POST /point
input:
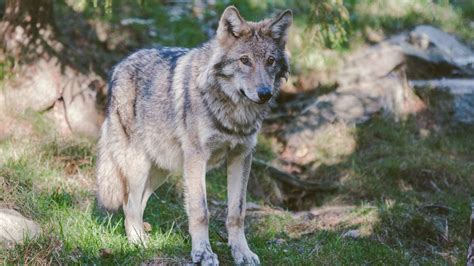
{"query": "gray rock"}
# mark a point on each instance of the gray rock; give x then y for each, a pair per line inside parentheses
(372, 81)
(437, 47)
(14, 227)
(461, 97)
(351, 234)
(453, 50)
(370, 63)
(64, 94)
(376, 80)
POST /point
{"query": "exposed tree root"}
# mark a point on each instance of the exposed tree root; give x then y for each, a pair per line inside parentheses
(294, 181)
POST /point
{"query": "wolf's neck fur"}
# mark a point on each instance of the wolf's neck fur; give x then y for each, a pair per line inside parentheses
(239, 118)
(231, 112)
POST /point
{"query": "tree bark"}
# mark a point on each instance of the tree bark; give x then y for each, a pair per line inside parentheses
(29, 11)
(26, 26)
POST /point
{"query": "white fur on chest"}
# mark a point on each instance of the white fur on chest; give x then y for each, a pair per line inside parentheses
(218, 151)
(220, 145)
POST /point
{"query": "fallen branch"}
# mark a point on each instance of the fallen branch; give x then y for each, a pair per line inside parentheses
(294, 181)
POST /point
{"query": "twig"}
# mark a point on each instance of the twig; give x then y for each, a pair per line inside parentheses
(61, 99)
(294, 181)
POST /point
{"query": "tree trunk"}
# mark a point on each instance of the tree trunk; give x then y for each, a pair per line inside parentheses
(45, 76)
(29, 11)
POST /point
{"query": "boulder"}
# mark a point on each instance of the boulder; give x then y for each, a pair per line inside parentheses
(458, 103)
(14, 227)
(436, 47)
(372, 81)
(382, 79)
(66, 96)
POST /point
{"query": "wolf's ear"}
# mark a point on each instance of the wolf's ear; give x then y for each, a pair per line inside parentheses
(231, 25)
(278, 27)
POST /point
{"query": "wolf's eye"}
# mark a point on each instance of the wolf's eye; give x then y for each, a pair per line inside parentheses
(245, 60)
(270, 60)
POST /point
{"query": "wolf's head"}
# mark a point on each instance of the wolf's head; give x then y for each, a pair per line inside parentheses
(253, 59)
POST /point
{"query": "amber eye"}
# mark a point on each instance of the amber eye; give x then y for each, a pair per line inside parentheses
(270, 60)
(245, 60)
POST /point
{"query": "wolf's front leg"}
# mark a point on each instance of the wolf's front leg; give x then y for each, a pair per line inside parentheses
(238, 170)
(196, 208)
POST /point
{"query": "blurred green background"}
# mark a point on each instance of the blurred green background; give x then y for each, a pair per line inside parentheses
(318, 25)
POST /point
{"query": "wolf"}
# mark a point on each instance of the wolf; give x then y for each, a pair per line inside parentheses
(185, 111)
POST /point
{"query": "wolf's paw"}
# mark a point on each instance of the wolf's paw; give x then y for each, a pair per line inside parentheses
(244, 256)
(204, 255)
(138, 238)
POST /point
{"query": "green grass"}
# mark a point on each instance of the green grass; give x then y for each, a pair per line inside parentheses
(421, 185)
(389, 189)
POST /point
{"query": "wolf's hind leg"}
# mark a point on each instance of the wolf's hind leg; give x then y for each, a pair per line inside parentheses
(238, 170)
(156, 178)
(136, 171)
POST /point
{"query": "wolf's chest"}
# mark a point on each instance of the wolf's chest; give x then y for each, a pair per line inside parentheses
(219, 148)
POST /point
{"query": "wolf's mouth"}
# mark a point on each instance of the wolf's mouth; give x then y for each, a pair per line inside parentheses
(257, 102)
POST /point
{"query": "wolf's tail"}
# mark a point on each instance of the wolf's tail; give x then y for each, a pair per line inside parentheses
(111, 183)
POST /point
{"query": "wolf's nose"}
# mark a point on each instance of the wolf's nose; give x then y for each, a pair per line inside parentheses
(264, 93)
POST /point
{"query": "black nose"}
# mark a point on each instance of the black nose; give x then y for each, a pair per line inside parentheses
(264, 93)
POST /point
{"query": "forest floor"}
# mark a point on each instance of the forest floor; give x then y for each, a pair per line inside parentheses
(404, 199)
(404, 194)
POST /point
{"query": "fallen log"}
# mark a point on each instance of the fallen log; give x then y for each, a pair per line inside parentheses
(294, 181)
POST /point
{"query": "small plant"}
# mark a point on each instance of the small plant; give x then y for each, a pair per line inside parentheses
(328, 23)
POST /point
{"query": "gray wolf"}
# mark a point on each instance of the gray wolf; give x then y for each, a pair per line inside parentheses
(185, 111)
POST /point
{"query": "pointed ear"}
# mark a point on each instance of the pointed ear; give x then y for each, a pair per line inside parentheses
(278, 27)
(231, 25)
